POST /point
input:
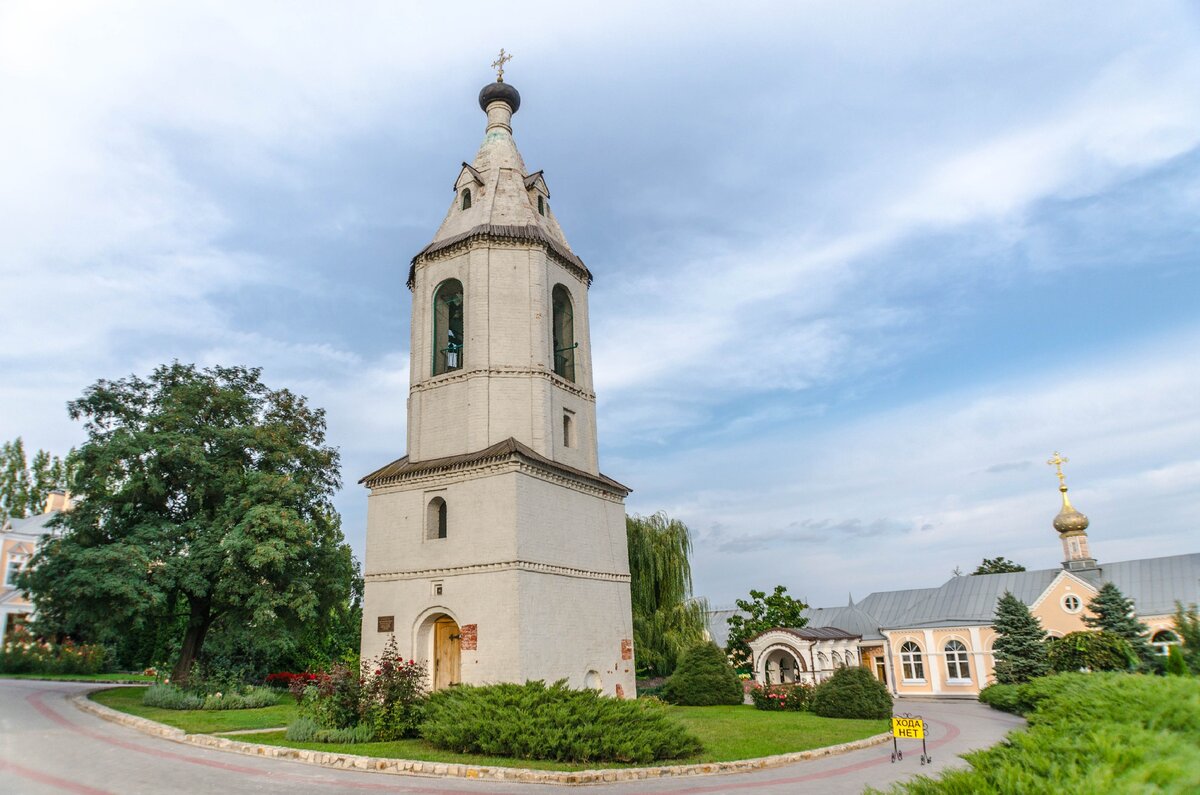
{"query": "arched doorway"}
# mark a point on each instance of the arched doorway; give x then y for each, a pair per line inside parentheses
(782, 666)
(447, 665)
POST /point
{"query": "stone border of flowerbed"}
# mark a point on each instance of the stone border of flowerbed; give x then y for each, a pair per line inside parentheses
(447, 770)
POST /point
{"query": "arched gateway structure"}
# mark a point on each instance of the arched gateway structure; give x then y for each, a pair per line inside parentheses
(496, 550)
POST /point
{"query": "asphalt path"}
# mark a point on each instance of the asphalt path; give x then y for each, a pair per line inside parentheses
(48, 746)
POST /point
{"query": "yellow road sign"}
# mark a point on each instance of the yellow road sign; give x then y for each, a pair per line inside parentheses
(908, 728)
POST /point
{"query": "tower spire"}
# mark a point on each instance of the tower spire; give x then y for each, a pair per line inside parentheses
(1071, 524)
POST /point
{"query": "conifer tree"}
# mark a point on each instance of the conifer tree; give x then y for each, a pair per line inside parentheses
(1175, 663)
(1187, 629)
(1114, 613)
(1020, 647)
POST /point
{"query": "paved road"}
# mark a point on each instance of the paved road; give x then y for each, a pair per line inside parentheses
(49, 746)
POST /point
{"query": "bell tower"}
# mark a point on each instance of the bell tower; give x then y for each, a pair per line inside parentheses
(496, 550)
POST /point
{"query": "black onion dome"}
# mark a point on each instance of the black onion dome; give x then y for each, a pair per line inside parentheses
(499, 91)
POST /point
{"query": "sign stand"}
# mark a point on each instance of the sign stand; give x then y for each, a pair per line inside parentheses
(909, 727)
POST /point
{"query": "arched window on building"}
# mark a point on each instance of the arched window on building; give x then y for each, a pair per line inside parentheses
(911, 662)
(1163, 640)
(564, 333)
(958, 666)
(447, 327)
(837, 660)
(466, 198)
(435, 519)
(822, 661)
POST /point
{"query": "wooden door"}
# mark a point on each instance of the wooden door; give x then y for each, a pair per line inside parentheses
(446, 660)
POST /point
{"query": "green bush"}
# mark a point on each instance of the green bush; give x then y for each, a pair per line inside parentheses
(25, 654)
(1092, 651)
(1100, 732)
(852, 693)
(539, 721)
(1006, 698)
(780, 698)
(1176, 666)
(306, 730)
(704, 678)
(167, 696)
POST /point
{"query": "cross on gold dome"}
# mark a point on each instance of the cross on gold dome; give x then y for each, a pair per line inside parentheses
(1057, 463)
(498, 65)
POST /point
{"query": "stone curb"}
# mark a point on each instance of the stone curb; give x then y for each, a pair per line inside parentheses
(482, 772)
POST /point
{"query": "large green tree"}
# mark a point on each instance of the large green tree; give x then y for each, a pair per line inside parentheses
(1114, 613)
(203, 499)
(1000, 565)
(24, 484)
(1020, 646)
(761, 612)
(667, 619)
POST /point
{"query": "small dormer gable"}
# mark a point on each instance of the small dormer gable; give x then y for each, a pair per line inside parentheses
(537, 182)
(468, 177)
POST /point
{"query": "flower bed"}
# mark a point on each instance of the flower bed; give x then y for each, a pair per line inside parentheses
(25, 654)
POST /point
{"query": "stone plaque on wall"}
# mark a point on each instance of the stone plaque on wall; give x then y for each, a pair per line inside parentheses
(626, 649)
(387, 624)
(469, 637)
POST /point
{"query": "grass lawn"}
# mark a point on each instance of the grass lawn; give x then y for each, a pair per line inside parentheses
(83, 677)
(200, 721)
(728, 733)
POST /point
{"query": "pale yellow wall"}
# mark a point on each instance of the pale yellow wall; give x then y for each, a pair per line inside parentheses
(898, 639)
(8, 547)
(1054, 617)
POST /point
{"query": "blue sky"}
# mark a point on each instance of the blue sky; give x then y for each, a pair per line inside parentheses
(859, 270)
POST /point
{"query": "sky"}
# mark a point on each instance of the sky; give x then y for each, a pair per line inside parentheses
(860, 269)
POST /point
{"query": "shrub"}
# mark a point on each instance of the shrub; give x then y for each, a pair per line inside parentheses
(703, 678)
(792, 698)
(333, 700)
(1101, 732)
(305, 730)
(1176, 666)
(1006, 698)
(1092, 651)
(539, 721)
(25, 654)
(284, 680)
(852, 693)
(167, 696)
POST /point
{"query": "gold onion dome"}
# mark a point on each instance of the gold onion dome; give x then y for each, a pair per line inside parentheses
(1068, 520)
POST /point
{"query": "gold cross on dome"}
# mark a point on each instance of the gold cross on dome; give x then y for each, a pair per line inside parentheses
(1057, 463)
(498, 65)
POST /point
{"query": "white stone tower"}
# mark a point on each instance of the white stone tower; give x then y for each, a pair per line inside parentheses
(496, 550)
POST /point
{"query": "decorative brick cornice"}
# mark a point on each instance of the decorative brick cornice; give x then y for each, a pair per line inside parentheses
(493, 235)
(503, 372)
(507, 565)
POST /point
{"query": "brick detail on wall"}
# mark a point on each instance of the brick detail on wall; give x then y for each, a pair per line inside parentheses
(620, 691)
(469, 637)
(626, 649)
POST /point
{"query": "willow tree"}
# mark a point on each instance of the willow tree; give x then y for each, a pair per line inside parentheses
(203, 501)
(667, 619)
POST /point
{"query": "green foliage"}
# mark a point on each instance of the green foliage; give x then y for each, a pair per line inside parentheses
(1110, 732)
(1006, 698)
(782, 698)
(1176, 665)
(704, 678)
(1091, 651)
(1187, 629)
(25, 485)
(539, 721)
(306, 730)
(204, 503)
(851, 692)
(25, 654)
(1000, 565)
(667, 619)
(762, 613)
(1114, 613)
(1020, 647)
(167, 696)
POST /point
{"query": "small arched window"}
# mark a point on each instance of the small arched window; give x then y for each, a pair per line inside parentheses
(563, 326)
(541, 205)
(447, 327)
(466, 198)
(911, 662)
(837, 660)
(435, 519)
(1163, 640)
(958, 666)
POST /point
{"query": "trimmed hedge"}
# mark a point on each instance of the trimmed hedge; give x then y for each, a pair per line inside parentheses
(1093, 651)
(851, 693)
(540, 721)
(704, 678)
(1101, 732)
